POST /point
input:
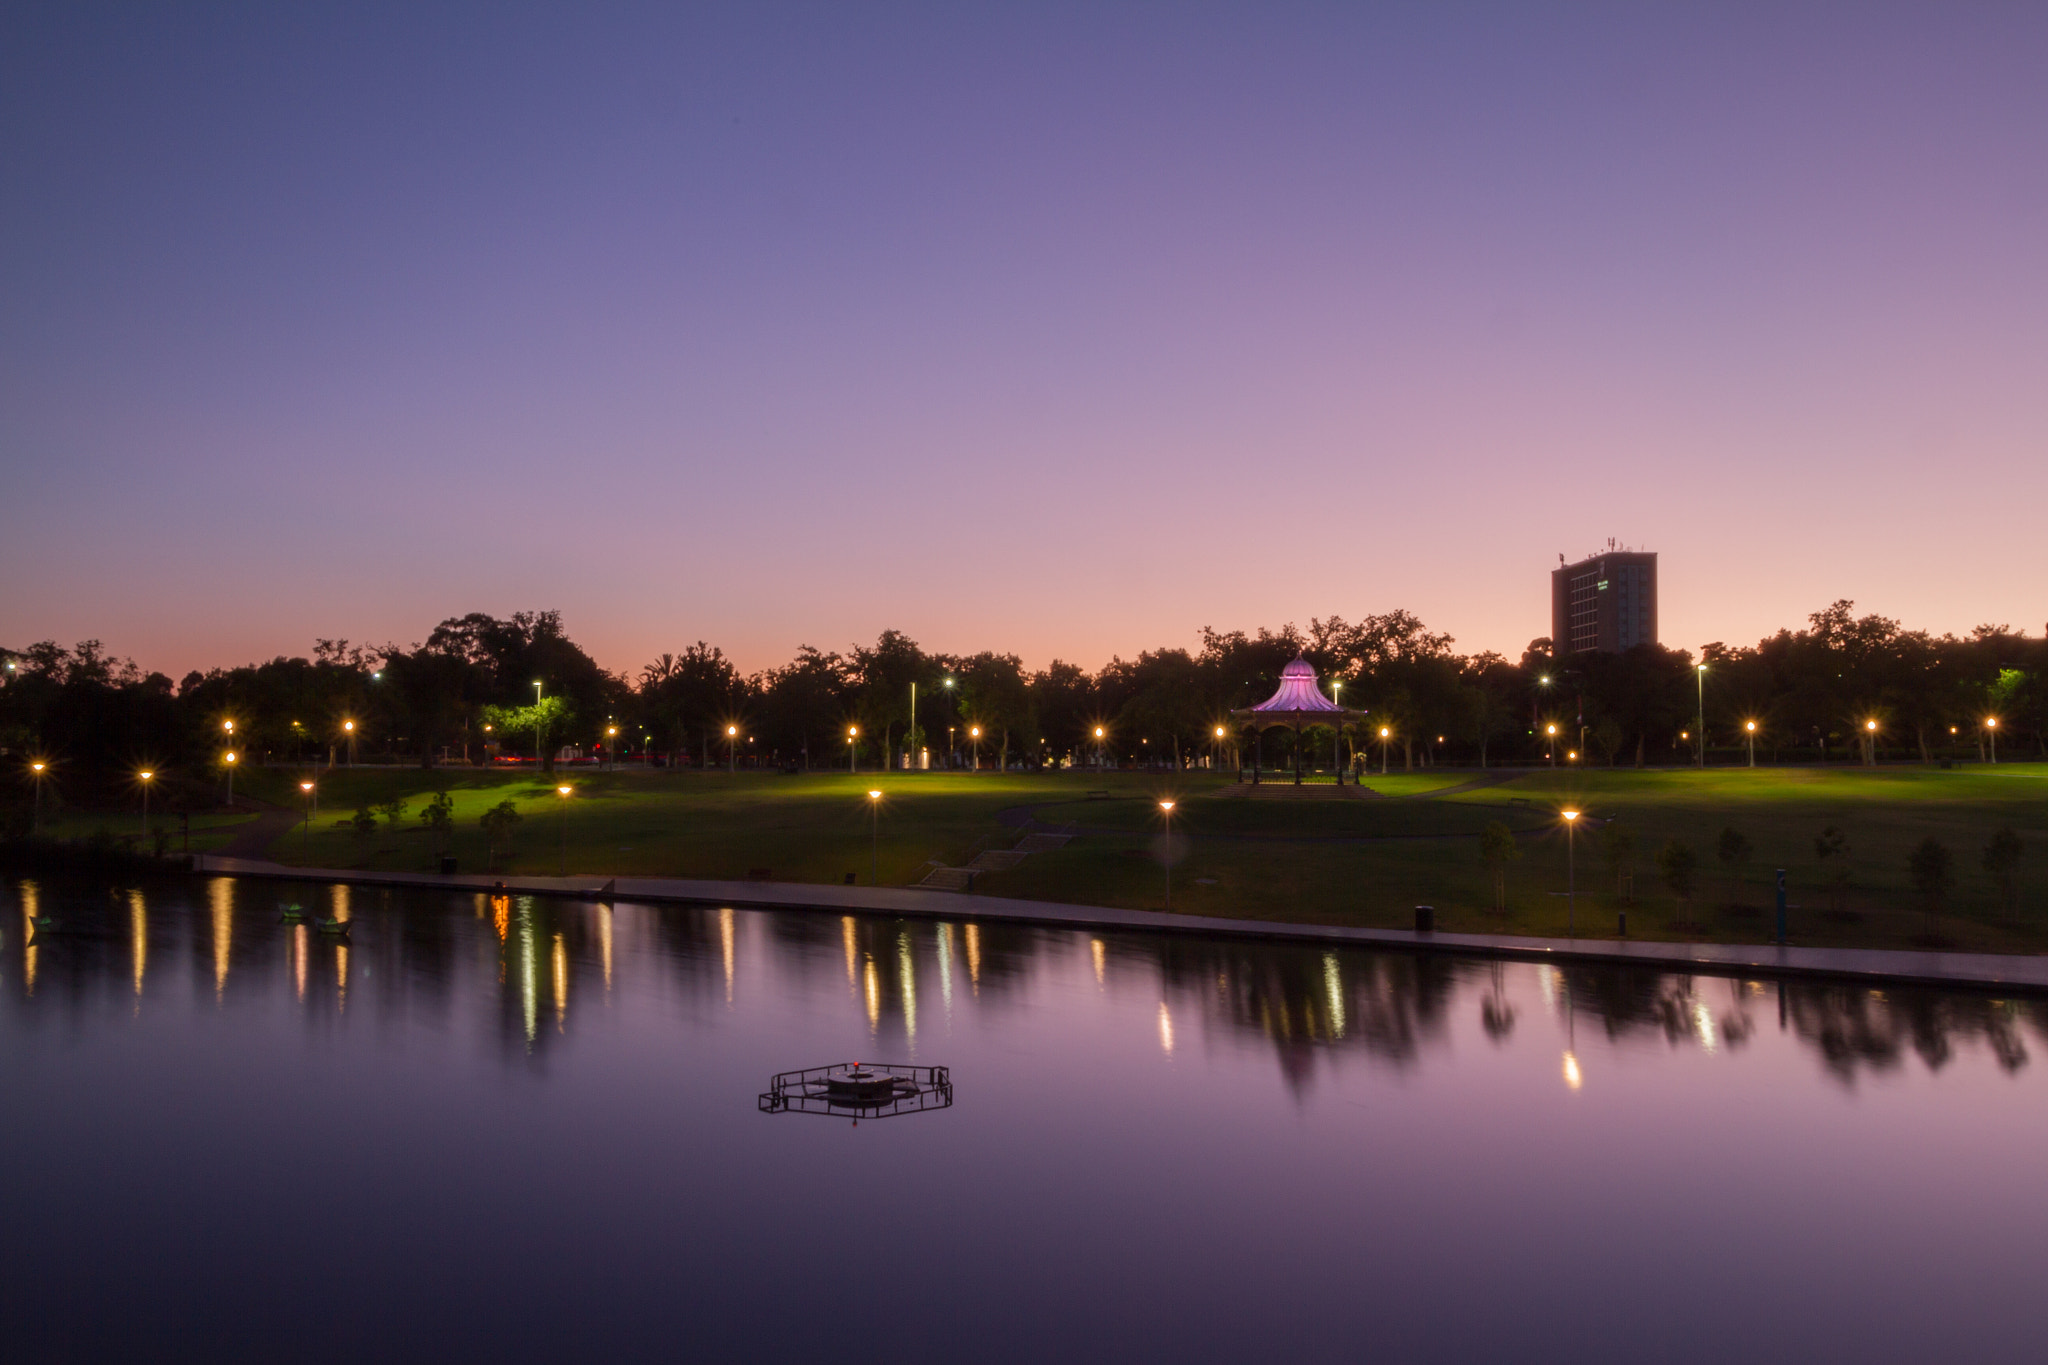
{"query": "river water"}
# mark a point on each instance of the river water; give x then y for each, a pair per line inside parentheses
(528, 1130)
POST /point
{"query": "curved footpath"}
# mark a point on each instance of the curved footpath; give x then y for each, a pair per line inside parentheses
(1971, 971)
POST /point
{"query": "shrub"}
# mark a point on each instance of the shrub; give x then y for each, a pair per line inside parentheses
(1497, 848)
(1931, 868)
(2002, 860)
(1678, 866)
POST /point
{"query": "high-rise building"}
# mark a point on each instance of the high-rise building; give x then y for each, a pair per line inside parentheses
(1606, 601)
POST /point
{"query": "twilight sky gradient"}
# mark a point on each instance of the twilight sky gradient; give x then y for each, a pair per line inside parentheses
(1064, 329)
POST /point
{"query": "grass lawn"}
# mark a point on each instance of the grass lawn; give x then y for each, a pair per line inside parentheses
(209, 830)
(1361, 861)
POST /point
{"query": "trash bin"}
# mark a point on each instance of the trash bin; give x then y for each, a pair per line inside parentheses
(447, 864)
(1425, 919)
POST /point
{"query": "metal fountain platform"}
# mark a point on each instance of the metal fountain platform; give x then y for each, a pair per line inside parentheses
(860, 1090)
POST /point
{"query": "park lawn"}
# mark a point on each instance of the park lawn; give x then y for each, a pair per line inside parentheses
(209, 830)
(1350, 861)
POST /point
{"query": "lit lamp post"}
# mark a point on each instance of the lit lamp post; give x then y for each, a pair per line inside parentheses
(732, 749)
(852, 749)
(1870, 744)
(874, 838)
(1749, 726)
(144, 777)
(563, 791)
(1099, 755)
(1385, 735)
(611, 745)
(231, 776)
(1571, 872)
(1550, 731)
(306, 830)
(974, 733)
(1700, 672)
(36, 821)
(1166, 815)
(1991, 726)
(539, 729)
(1216, 750)
(348, 728)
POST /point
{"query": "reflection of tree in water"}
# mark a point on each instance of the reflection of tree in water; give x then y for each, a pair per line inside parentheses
(1857, 1029)
(1301, 999)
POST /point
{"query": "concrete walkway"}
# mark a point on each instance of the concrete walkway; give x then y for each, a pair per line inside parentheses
(1974, 971)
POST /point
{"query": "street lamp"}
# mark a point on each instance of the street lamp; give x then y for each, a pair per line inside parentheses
(348, 728)
(1991, 724)
(1385, 735)
(231, 776)
(874, 838)
(1166, 814)
(611, 744)
(732, 749)
(974, 733)
(1700, 672)
(563, 791)
(36, 822)
(1870, 743)
(306, 830)
(1750, 727)
(1571, 872)
(852, 750)
(1551, 746)
(1216, 751)
(145, 776)
(1098, 749)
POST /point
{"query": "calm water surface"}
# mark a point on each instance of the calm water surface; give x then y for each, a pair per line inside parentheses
(526, 1130)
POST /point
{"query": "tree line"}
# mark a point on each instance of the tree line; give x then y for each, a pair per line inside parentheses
(1844, 688)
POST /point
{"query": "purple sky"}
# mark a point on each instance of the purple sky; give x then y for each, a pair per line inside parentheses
(1059, 329)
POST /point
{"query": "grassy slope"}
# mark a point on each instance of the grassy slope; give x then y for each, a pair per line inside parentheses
(1364, 862)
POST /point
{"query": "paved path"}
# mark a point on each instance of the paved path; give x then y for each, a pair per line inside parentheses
(254, 839)
(1976, 971)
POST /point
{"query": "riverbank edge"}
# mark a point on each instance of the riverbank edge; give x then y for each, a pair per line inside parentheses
(1949, 971)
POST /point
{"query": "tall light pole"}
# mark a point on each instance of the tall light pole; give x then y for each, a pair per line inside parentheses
(1750, 727)
(1991, 725)
(306, 830)
(1870, 743)
(1166, 815)
(36, 821)
(611, 744)
(974, 733)
(874, 838)
(1098, 749)
(852, 749)
(348, 728)
(562, 868)
(1216, 751)
(1571, 873)
(1550, 731)
(1385, 735)
(231, 777)
(732, 750)
(145, 775)
(1700, 672)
